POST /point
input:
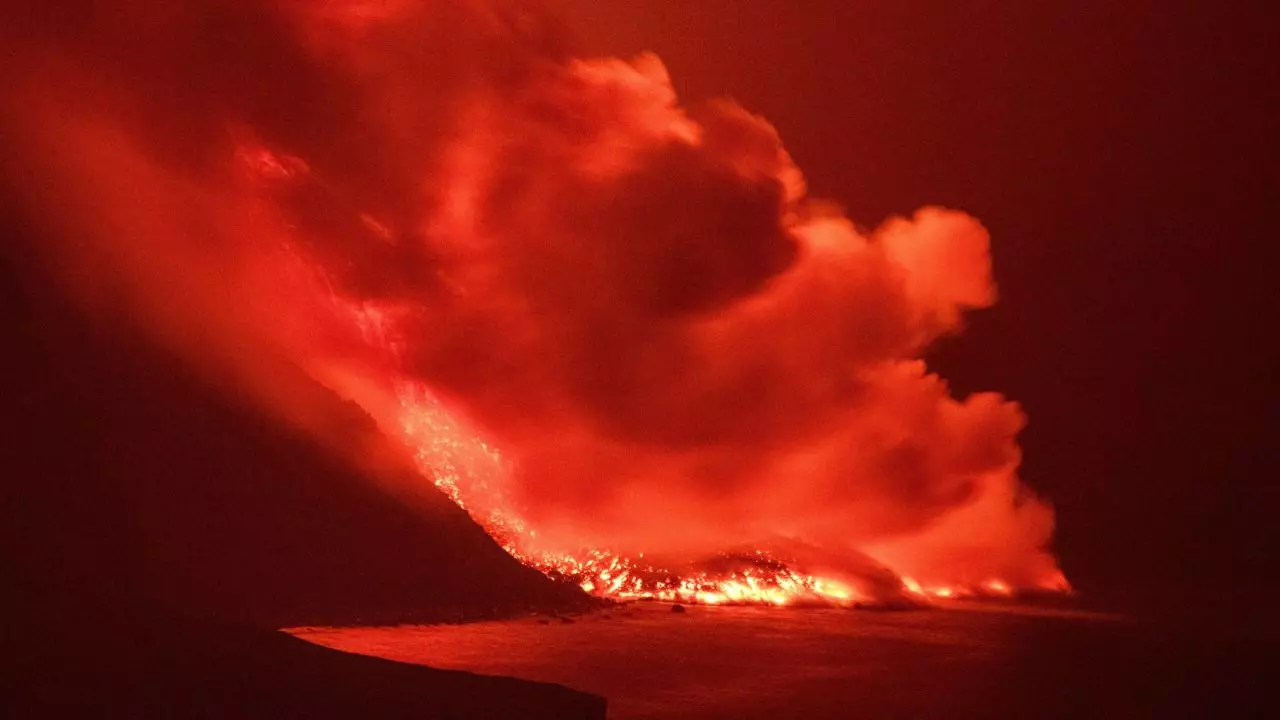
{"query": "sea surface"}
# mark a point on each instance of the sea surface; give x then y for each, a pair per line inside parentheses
(958, 661)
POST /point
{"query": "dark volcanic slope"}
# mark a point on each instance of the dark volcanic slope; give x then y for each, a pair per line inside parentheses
(66, 659)
(126, 474)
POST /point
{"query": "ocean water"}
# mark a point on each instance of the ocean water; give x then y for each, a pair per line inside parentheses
(960, 661)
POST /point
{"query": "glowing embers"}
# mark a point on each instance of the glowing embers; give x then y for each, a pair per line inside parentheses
(754, 579)
(462, 465)
(993, 588)
(474, 475)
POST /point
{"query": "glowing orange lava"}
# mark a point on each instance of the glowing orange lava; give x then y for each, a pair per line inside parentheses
(667, 344)
(473, 474)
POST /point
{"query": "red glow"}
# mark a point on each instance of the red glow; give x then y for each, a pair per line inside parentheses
(612, 328)
(473, 473)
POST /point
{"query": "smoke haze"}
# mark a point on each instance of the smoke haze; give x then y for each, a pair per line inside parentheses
(675, 349)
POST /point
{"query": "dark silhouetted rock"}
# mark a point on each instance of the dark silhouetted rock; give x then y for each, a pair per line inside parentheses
(128, 471)
(73, 658)
(677, 608)
(153, 515)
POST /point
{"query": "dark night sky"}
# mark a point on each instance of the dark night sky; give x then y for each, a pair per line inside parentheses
(1121, 157)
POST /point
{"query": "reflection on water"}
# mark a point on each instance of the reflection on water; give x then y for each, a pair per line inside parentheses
(748, 662)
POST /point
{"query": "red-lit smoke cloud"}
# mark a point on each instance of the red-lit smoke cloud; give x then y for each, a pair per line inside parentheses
(675, 348)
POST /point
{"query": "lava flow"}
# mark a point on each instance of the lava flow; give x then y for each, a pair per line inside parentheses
(473, 473)
(617, 330)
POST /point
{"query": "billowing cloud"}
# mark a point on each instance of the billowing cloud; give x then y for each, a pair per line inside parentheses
(675, 349)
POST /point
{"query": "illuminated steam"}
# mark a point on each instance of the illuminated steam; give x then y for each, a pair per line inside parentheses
(664, 343)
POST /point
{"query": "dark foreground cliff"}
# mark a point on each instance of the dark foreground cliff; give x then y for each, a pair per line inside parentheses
(158, 528)
(67, 658)
(129, 474)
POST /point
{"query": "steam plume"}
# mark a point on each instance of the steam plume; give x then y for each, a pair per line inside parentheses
(675, 348)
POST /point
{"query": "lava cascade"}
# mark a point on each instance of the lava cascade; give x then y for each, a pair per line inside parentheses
(616, 329)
